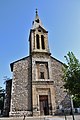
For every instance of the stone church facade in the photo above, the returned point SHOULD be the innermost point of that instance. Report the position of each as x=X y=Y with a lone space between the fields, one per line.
x=37 y=86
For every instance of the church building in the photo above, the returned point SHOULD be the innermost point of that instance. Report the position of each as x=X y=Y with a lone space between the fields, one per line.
x=36 y=87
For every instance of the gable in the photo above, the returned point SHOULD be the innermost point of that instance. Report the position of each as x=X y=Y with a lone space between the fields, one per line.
x=12 y=64
x=59 y=62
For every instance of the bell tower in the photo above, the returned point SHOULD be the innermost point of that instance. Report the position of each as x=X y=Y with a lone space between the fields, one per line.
x=42 y=82
x=38 y=39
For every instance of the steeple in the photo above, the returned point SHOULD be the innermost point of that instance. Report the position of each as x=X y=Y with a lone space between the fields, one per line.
x=38 y=38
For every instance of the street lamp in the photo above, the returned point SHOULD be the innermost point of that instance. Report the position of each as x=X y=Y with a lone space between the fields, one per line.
x=72 y=107
x=64 y=114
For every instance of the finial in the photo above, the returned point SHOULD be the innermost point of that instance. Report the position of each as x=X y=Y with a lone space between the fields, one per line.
x=37 y=17
x=36 y=11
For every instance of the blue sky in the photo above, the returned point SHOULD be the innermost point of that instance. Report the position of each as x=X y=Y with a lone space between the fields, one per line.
x=60 y=17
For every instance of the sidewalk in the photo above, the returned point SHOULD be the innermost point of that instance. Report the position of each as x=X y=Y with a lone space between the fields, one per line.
x=77 y=117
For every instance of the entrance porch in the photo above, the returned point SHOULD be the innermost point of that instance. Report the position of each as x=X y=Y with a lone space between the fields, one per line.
x=43 y=101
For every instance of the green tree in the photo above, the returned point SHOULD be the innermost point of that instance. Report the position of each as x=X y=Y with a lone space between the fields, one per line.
x=71 y=76
x=1 y=98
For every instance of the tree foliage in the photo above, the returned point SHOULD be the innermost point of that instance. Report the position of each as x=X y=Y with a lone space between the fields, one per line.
x=71 y=75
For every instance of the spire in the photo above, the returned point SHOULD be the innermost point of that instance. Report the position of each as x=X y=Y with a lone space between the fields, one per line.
x=37 y=17
x=37 y=22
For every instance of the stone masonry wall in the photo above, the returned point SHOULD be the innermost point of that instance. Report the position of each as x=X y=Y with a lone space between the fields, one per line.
x=62 y=98
x=21 y=87
x=7 y=98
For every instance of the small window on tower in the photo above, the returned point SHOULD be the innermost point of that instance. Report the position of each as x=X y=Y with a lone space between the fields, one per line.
x=39 y=30
x=41 y=75
x=37 y=41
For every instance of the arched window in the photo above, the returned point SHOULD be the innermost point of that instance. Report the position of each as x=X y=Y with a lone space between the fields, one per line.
x=37 y=41
x=42 y=42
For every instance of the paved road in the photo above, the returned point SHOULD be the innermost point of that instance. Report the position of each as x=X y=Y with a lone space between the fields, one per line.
x=77 y=117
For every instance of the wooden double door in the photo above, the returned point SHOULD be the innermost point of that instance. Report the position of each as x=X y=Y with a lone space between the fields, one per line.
x=44 y=108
